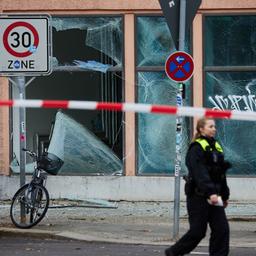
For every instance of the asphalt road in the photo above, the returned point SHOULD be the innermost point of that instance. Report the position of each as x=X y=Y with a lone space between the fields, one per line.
x=11 y=245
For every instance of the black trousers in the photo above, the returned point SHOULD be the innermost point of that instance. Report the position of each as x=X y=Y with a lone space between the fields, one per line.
x=200 y=214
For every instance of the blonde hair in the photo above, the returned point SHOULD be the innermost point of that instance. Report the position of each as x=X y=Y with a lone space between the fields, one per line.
x=200 y=124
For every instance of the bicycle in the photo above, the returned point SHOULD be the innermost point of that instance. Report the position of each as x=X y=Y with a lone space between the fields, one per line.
x=30 y=203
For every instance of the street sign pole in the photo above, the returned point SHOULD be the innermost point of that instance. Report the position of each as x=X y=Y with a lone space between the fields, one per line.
x=182 y=29
x=179 y=67
x=19 y=81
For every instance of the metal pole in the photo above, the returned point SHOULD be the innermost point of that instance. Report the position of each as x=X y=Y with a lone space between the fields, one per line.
x=20 y=82
x=182 y=29
x=22 y=113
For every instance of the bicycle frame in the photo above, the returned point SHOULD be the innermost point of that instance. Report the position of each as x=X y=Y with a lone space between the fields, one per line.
x=33 y=197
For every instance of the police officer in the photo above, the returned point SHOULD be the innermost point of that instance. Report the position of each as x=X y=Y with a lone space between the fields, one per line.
x=207 y=193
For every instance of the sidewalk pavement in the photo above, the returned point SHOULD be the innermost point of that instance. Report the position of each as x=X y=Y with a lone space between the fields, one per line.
x=127 y=222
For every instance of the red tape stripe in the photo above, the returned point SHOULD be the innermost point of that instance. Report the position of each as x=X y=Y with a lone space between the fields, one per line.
x=109 y=106
x=8 y=103
x=218 y=113
x=164 y=109
x=55 y=104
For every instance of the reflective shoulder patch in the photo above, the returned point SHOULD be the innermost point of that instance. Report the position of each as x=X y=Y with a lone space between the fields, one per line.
x=204 y=143
x=218 y=147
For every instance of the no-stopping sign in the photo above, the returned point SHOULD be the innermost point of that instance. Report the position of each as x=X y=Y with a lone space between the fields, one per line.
x=179 y=66
x=25 y=45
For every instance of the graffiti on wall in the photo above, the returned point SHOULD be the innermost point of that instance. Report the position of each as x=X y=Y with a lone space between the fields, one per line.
x=235 y=102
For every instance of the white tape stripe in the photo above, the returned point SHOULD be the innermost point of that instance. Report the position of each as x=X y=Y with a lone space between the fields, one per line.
x=246 y=115
x=28 y=103
x=142 y=108
x=190 y=111
x=82 y=104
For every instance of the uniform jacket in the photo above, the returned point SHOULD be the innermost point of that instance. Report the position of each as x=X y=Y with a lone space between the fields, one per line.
x=200 y=170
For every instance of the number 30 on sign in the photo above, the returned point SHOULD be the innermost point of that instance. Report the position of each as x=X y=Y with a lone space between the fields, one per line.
x=24 y=44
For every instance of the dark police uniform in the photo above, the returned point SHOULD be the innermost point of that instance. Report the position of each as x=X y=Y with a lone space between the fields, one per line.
x=207 y=168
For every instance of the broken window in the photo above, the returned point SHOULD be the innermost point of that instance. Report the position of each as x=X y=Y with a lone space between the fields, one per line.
x=156 y=134
x=94 y=39
x=235 y=91
x=82 y=150
x=154 y=43
x=87 y=61
x=230 y=83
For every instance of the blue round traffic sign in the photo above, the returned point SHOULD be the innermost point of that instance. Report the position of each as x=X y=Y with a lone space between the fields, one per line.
x=179 y=66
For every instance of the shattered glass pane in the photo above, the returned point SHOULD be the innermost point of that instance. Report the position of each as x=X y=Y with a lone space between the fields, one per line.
x=81 y=151
x=156 y=136
x=230 y=40
x=103 y=34
x=157 y=133
x=235 y=91
x=92 y=65
x=107 y=38
x=154 y=42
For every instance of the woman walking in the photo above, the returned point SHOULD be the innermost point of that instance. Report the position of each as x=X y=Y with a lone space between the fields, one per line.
x=207 y=193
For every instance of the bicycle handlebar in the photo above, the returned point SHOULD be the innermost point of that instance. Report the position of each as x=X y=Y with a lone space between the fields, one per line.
x=33 y=154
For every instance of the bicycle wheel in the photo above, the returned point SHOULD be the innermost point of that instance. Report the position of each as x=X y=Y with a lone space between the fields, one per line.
x=33 y=201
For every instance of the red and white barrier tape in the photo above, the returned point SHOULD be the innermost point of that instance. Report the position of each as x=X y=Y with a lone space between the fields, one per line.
x=132 y=107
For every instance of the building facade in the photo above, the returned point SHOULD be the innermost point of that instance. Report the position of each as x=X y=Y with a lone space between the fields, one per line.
x=115 y=51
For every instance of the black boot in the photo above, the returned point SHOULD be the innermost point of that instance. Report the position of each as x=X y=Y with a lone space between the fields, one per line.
x=168 y=252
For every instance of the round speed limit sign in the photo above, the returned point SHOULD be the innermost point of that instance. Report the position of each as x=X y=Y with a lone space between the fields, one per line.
x=21 y=39
x=25 y=45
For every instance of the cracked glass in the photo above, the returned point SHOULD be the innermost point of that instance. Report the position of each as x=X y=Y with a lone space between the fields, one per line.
x=103 y=34
x=235 y=91
x=82 y=151
x=154 y=42
x=156 y=135
x=230 y=42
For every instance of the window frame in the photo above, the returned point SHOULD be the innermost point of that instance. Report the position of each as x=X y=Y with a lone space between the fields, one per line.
x=152 y=69
x=222 y=68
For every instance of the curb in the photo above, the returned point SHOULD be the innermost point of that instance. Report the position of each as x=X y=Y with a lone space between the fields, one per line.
x=35 y=233
x=67 y=235
x=242 y=218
